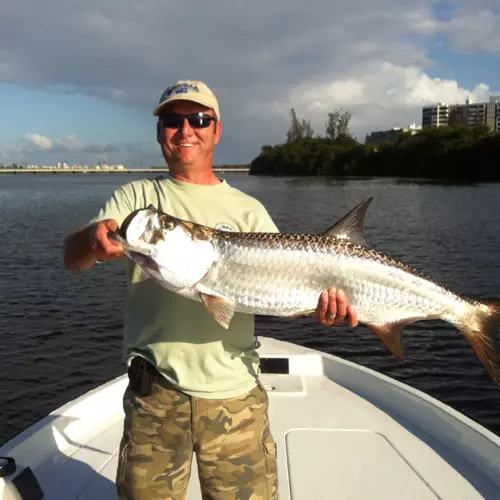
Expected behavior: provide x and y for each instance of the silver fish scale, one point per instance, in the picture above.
(281, 274)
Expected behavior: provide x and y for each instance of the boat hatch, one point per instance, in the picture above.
(328, 463)
(275, 365)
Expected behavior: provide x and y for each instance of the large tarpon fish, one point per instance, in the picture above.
(284, 275)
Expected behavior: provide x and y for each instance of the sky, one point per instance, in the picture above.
(79, 80)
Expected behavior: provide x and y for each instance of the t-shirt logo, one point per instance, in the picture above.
(224, 226)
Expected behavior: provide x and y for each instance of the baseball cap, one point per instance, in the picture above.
(189, 90)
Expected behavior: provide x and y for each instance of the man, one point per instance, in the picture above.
(193, 385)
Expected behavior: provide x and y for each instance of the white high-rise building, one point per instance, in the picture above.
(435, 116)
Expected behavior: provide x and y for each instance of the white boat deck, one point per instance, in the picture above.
(343, 432)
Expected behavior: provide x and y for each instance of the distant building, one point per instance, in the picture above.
(391, 135)
(495, 104)
(483, 113)
(435, 116)
(472, 113)
(64, 166)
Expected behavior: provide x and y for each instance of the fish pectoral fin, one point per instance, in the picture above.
(391, 334)
(220, 308)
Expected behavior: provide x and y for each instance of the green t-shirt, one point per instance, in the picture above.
(176, 334)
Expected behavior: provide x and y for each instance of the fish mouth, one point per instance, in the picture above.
(126, 223)
(130, 217)
(136, 226)
(144, 260)
(132, 252)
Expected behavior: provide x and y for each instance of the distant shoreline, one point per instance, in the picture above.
(103, 171)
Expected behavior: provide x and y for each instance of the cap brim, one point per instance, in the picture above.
(199, 100)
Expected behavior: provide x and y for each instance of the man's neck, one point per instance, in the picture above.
(205, 176)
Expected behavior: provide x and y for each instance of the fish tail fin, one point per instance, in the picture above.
(479, 328)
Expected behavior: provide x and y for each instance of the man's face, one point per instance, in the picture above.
(188, 145)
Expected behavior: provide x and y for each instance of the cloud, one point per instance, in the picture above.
(381, 95)
(36, 148)
(33, 142)
(125, 51)
(260, 57)
(474, 27)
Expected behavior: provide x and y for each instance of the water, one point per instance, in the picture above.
(60, 333)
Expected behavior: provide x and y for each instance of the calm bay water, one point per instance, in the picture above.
(60, 333)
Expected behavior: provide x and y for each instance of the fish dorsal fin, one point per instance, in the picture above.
(220, 308)
(350, 227)
(391, 334)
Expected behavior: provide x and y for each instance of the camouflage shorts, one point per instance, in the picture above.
(235, 451)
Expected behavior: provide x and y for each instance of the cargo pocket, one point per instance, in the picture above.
(271, 467)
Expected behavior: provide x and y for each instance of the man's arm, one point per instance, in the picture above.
(87, 245)
(84, 247)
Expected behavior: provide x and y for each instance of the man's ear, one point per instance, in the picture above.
(158, 130)
(218, 132)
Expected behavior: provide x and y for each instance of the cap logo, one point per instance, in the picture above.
(179, 88)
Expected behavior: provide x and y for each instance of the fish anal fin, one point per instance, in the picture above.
(350, 227)
(220, 308)
(391, 334)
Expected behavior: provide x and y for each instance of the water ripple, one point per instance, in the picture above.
(60, 332)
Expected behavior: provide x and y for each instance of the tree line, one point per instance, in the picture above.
(449, 153)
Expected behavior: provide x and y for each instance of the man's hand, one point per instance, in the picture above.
(102, 247)
(333, 309)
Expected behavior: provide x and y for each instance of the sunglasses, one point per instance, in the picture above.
(195, 120)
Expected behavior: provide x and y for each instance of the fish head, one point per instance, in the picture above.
(176, 252)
